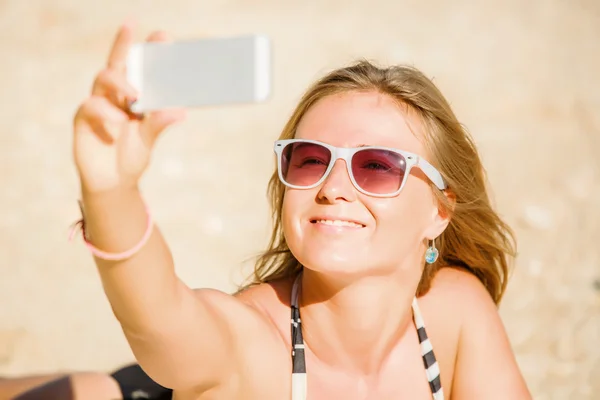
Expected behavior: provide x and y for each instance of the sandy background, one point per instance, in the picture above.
(521, 75)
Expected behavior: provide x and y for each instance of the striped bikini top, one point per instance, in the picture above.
(299, 383)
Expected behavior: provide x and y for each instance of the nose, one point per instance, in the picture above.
(337, 186)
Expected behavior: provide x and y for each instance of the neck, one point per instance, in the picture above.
(356, 324)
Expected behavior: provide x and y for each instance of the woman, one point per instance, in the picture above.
(382, 222)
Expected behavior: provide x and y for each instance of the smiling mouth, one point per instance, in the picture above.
(337, 222)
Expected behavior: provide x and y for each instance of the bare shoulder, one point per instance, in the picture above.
(456, 299)
(249, 320)
(275, 293)
(466, 324)
(453, 287)
(266, 302)
(272, 300)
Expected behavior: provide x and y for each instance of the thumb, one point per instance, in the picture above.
(156, 122)
(158, 36)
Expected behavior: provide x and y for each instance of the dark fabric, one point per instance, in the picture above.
(435, 384)
(59, 389)
(135, 384)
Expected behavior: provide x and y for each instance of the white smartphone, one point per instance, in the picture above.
(197, 73)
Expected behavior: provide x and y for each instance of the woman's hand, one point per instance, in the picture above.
(112, 147)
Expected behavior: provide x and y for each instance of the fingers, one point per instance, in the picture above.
(110, 83)
(156, 122)
(117, 57)
(108, 107)
(102, 116)
(158, 36)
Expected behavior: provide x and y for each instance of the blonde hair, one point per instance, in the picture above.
(476, 238)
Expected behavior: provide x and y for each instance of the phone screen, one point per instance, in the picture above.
(205, 72)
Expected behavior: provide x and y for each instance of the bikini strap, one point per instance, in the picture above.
(296, 290)
(432, 369)
(299, 381)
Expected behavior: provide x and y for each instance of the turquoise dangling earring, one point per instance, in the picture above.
(431, 254)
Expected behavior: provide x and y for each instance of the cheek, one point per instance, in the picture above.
(286, 218)
(403, 219)
(291, 216)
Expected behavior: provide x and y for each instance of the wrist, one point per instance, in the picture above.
(113, 221)
(100, 195)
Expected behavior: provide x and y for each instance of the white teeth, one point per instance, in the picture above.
(338, 222)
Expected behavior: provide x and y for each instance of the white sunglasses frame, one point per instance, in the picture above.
(346, 154)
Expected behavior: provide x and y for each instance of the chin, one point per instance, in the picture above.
(339, 263)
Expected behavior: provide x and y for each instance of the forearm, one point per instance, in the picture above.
(143, 290)
(167, 325)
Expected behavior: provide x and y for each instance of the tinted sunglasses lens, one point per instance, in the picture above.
(303, 164)
(378, 171)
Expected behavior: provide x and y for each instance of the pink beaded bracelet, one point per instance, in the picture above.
(112, 256)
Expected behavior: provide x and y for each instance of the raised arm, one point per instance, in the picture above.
(183, 339)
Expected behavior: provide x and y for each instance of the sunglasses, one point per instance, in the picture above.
(374, 171)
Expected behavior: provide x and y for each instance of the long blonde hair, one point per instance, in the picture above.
(476, 238)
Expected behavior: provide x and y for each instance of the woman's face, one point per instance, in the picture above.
(387, 233)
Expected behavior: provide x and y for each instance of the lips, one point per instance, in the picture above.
(330, 221)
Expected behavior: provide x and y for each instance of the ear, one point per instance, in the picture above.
(443, 209)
